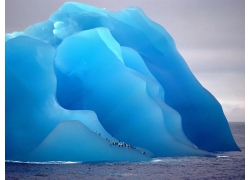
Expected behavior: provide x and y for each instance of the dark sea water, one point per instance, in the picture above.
(230, 165)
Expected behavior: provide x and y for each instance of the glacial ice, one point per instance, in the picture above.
(93, 85)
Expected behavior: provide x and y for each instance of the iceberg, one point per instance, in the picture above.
(93, 85)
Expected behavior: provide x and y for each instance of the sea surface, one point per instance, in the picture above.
(229, 165)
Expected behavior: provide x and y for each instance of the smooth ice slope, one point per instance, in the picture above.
(73, 141)
(105, 76)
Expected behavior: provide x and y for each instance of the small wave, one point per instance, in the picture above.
(48, 162)
(156, 160)
(220, 156)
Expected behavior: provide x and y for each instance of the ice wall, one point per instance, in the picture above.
(115, 82)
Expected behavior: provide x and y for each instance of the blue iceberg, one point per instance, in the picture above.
(93, 85)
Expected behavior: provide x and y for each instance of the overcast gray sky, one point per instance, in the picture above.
(209, 34)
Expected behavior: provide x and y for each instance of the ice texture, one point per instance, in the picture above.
(93, 85)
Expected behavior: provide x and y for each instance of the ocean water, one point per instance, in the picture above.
(229, 165)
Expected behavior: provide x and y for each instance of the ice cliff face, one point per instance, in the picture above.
(93, 85)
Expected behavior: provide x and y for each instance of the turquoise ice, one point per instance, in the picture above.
(93, 85)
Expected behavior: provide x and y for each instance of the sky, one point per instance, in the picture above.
(209, 34)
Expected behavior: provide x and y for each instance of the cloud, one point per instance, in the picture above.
(235, 114)
(215, 60)
(206, 24)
